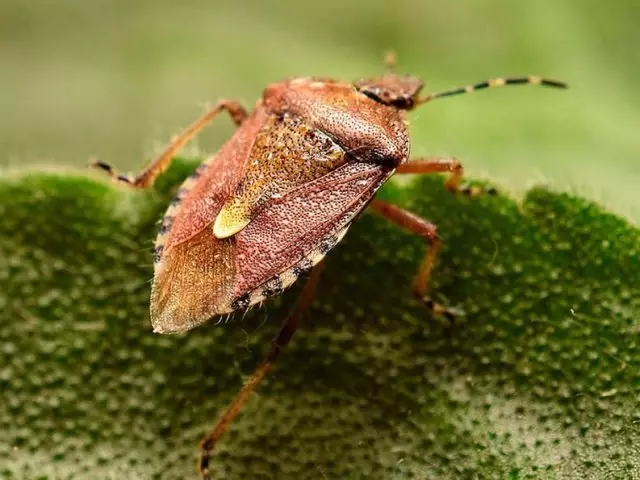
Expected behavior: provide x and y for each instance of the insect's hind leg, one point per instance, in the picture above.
(445, 165)
(428, 231)
(146, 178)
(289, 327)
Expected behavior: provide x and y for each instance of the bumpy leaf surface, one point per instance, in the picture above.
(540, 379)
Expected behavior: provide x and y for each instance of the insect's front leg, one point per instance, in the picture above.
(445, 165)
(146, 178)
(428, 231)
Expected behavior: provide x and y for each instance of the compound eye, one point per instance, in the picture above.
(403, 103)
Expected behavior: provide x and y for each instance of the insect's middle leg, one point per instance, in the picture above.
(146, 178)
(428, 231)
(444, 165)
(291, 324)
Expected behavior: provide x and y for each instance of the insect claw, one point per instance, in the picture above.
(450, 313)
(455, 312)
(94, 163)
(475, 191)
(125, 179)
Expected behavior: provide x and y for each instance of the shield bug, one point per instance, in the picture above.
(280, 194)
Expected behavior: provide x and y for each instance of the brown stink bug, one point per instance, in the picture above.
(280, 194)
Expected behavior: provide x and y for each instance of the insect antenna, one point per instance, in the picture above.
(494, 82)
(390, 60)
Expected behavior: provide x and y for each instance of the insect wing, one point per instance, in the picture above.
(293, 233)
(255, 219)
(195, 271)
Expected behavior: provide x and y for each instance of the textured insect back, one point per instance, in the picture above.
(173, 210)
(194, 271)
(276, 285)
(288, 152)
(366, 129)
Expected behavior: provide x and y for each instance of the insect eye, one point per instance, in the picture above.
(403, 103)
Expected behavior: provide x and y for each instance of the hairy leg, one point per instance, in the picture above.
(444, 165)
(289, 327)
(148, 175)
(428, 231)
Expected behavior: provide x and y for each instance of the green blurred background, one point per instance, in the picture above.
(115, 79)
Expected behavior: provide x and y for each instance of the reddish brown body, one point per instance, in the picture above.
(279, 194)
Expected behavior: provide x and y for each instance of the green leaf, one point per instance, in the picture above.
(539, 380)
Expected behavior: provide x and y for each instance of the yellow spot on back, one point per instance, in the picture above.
(233, 217)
